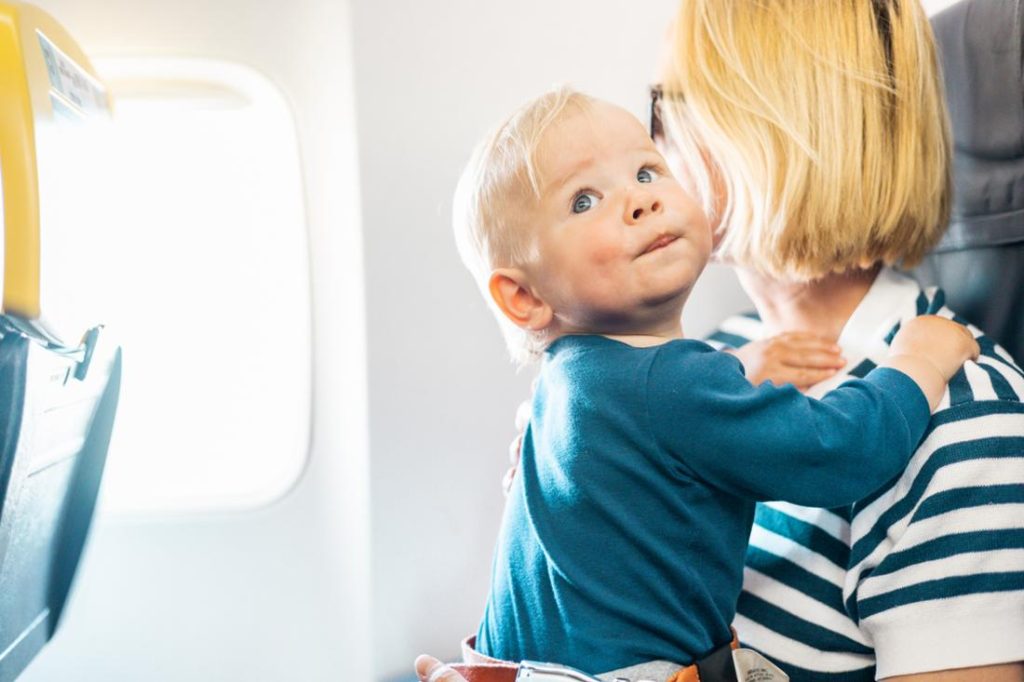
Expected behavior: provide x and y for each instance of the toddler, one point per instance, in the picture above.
(624, 533)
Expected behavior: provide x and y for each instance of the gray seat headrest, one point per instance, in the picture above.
(979, 43)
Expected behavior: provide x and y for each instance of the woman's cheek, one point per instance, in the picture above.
(677, 167)
(717, 234)
(720, 200)
(684, 175)
(717, 255)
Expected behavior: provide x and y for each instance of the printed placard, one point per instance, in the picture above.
(753, 667)
(71, 88)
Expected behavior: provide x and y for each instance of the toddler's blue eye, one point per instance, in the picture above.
(584, 202)
(646, 175)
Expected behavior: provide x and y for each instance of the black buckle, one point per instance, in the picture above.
(718, 666)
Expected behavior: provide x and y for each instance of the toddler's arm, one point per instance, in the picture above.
(767, 442)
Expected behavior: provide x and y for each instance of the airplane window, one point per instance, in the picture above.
(203, 272)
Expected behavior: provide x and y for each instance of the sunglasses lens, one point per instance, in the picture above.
(657, 129)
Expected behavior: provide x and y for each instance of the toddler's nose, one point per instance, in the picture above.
(642, 206)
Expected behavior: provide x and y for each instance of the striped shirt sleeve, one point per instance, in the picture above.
(936, 568)
(936, 575)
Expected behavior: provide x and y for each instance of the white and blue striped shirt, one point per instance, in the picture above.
(927, 573)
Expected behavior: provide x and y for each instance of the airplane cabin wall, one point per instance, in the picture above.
(282, 592)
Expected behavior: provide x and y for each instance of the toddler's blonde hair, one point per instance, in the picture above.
(824, 123)
(500, 184)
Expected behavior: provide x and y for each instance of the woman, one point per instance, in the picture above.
(816, 135)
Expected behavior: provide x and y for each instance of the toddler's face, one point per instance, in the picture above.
(619, 240)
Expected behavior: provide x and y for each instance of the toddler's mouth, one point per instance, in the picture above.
(662, 241)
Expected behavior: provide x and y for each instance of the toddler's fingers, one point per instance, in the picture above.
(810, 377)
(813, 359)
(975, 348)
(807, 341)
(798, 335)
(429, 669)
(801, 377)
(804, 339)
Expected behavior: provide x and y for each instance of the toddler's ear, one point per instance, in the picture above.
(512, 293)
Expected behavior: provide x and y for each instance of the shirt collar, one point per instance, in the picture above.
(891, 299)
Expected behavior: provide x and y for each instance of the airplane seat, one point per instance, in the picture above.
(980, 262)
(59, 373)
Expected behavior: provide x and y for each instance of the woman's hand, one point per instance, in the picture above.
(429, 669)
(799, 358)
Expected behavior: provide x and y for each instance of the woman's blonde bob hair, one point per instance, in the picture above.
(815, 130)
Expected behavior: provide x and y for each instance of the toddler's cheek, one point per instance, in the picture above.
(600, 254)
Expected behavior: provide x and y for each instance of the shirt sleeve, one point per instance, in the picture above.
(937, 561)
(774, 443)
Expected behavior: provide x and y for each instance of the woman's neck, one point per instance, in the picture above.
(822, 306)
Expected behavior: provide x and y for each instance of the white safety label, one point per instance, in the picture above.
(753, 667)
(70, 86)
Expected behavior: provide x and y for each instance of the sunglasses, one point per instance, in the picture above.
(657, 95)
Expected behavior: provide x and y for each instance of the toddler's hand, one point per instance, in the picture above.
(942, 342)
(799, 358)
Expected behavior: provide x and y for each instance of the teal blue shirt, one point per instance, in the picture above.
(624, 534)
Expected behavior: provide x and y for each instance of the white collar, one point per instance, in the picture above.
(891, 299)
